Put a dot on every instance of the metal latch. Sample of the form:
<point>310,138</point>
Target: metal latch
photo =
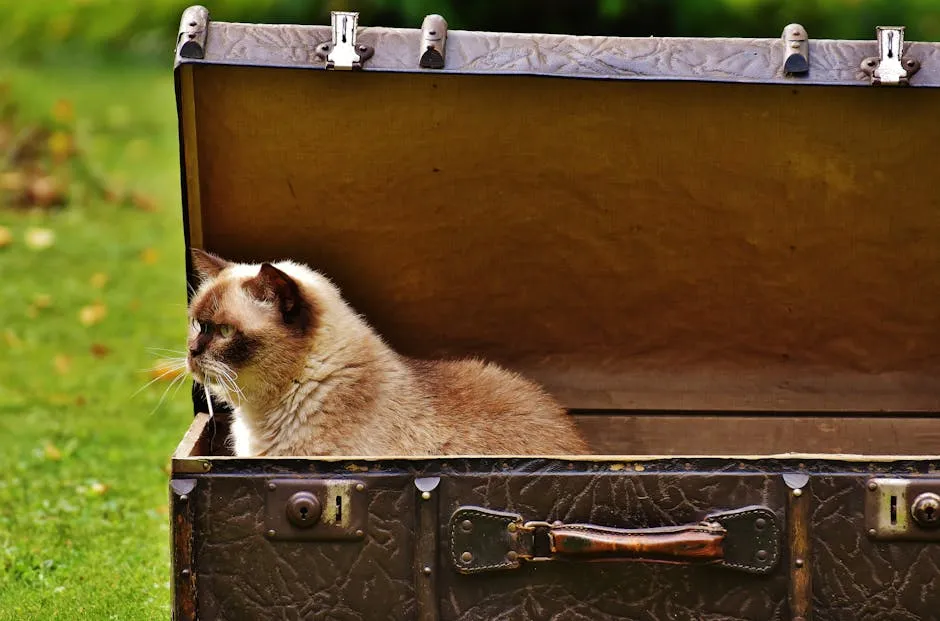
<point>433,42</point>
<point>890,68</point>
<point>903,509</point>
<point>343,52</point>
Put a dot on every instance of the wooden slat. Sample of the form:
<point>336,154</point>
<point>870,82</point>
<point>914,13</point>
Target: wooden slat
<point>758,435</point>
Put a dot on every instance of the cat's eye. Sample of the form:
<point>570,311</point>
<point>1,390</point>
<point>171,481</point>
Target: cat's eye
<point>226,330</point>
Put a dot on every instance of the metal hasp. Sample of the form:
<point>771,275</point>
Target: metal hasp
<point>433,42</point>
<point>903,509</point>
<point>890,68</point>
<point>344,53</point>
<point>194,26</point>
<point>796,50</point>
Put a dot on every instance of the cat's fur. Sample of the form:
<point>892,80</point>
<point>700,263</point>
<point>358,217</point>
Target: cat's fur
<point>306,375</point>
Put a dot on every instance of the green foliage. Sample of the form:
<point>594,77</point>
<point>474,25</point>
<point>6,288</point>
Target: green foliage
<point>84,528</point>
<point>38,29</point>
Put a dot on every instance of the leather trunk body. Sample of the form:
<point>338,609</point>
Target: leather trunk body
<point>728,274</point>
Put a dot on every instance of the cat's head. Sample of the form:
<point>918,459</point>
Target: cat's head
<point>249,325</point>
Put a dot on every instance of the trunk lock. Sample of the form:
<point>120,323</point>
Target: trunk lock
<point>926,510</point>
<point>303,509</point>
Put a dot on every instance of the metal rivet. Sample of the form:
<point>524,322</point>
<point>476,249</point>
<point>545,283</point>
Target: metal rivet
<point>798,492</point>
<point>872,532</point>
<point>359,533</point>
<point>798,562</point>
<point>512,527</point>
<point>466,526</point>
<point>426,495</point>
<point>206,465</point>
<point>466,557</point>
<point>760,523</point>
<point>272,532</point>
<point>184,498</point>
<point>426,570</point>
<point>185,573</point>
<point>272,486</point>
<point>872,486</point>
<point>762,555</point>
<point>511,556</point>
<point>360,487</point>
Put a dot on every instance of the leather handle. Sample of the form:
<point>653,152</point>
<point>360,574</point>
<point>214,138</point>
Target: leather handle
<point>482,539</point>
<point>700,543</point>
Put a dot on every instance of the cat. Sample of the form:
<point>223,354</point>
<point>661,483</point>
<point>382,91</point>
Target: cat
<point>307,376</point>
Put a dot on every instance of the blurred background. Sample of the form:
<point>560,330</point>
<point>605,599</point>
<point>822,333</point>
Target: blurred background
<point>92,293</point>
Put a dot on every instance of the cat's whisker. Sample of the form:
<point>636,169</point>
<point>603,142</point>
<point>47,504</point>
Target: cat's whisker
<point>166,371</point>
<point>178,380</point>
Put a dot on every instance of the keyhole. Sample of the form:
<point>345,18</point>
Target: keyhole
<point>344,29</point>
<point>339,509</point>
<point>894,509</point>
<point>890,45</point>
<point>303,513</point>
<point>928,510</point>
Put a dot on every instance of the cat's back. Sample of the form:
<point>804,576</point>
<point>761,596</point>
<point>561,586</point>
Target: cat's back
<point>483,408</point>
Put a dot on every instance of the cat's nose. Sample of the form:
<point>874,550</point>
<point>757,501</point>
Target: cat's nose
<point>197,346</point>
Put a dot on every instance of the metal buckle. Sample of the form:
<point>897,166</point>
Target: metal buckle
<point>343,53</point>
<point>890,68</point>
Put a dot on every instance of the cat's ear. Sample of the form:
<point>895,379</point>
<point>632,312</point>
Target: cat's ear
<point>206,264</point>
<point>273,285</point>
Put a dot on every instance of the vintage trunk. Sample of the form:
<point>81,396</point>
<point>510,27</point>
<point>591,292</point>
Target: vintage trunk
<point>721,254</point>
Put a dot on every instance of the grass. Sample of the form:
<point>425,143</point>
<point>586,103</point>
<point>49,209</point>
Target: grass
<point>84,530</point>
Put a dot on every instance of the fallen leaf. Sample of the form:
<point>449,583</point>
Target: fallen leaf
<point>39,239</point>
<point>51,452</point>
<point>12,181</point>
<point>42,300</point>
<point>62,363</point>
<point>98,280</point>
<point>149,256</point>
<point>46,191</point>
<point>166,370</point>
<point>163,510</point>
<point>99,351</point>
<point>144,203</point>
<point>98,488</point>
<point>63,111</point>
<point>60,146</point>
<point>80,401</point>
<point>6,237</point>
<point>90,315</point>
<point>11,338</point>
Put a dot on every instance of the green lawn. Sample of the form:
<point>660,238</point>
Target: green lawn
<point>83,483</point>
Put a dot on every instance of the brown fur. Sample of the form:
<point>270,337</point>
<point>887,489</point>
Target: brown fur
<point>308,376</point>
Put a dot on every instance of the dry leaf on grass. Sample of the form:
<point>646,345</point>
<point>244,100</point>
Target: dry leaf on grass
<point>98,280</point>
<point>39,239</point>
<point>149,256</point>
<point>62,363</point>
<point>11,338</point>
<point>92,314</point>
<point>98,488</point>
<point>99,351</point>
<point>63,111</point>
<point>144,203</point>
<point>163,510</point>
<point>52,452</point>
<point>6,237</point>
